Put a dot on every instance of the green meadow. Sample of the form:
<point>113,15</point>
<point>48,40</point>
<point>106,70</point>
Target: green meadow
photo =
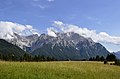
<point>58,70</point>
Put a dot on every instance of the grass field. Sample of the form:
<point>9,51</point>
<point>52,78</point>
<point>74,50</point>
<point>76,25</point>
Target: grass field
<point>58,70</point>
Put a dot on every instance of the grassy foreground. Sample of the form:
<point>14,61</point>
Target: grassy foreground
<point>58,70</point>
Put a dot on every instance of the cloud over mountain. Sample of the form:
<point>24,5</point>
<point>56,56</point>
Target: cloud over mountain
<point>8,28</point>
<point>51,32</point>
<point>97,37</point>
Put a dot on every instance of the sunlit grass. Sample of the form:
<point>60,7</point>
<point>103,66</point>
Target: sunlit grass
<point>58,70</point>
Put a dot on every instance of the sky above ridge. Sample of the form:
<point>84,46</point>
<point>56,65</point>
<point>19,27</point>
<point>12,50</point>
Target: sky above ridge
<point>98,19</point>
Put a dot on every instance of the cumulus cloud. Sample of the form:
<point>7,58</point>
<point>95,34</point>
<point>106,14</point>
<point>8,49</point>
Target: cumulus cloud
<point>52,32</point>
<point>97,37</point>
<point>59,24</point>
<point>7,29</point>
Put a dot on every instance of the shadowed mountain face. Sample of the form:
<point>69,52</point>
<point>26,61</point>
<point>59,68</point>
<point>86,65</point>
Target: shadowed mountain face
<point>8,48</point>
<point>67,46</point>
<point>70,46</point>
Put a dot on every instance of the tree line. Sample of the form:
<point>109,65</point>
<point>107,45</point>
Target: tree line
<point>26,57</point>
<point>37,58</point>
<point>110,57</point>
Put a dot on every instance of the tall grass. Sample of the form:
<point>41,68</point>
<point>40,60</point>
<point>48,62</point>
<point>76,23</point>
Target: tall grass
<point>58,70</point>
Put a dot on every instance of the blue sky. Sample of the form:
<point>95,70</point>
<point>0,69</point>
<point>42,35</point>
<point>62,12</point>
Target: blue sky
<point>99,15</point>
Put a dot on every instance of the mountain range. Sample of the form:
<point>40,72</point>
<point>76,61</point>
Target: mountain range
<point>70,46</point>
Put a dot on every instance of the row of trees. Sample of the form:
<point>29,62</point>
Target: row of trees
<point>28,57</point>
<point>110,57</point>
<point>25,57</point>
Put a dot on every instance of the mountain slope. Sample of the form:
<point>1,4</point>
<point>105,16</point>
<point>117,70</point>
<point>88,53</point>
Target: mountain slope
<point>58,52</point>
<point>8,48</point>
<point>24,42</point>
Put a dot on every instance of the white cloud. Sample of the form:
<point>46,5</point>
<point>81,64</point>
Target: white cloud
<point>59,25</point>
<point>8,28</point>
<point>97,37</point>
<point>52,32</point>
<point>50,0</point>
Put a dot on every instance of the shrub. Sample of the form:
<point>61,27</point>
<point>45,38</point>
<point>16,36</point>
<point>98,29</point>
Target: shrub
<point>105,62</point>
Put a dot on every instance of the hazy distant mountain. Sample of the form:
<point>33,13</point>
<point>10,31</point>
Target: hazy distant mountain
<point>8,48</point>
<point>117,54</point>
